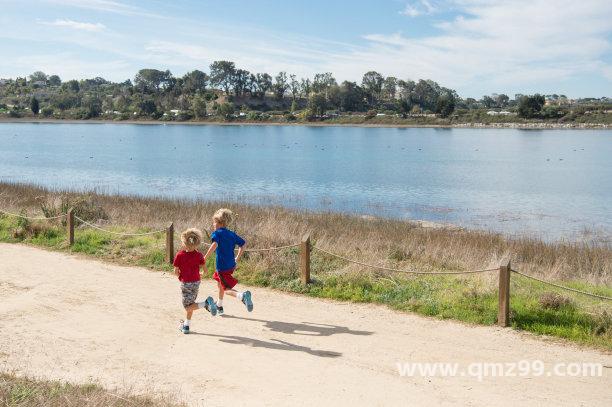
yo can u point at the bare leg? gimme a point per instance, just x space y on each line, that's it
232 292
221 290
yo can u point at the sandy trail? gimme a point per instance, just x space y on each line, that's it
70 318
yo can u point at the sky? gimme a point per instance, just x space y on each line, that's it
476 47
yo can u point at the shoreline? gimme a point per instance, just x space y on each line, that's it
513 125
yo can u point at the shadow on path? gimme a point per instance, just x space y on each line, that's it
305 328
274 344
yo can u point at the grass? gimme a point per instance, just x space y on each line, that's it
469 298
25 392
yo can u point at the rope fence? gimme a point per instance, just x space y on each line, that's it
603 297
63 215
305 249
91 225
401 271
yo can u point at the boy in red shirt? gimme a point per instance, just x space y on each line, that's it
187 265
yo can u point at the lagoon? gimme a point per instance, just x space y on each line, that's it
551 184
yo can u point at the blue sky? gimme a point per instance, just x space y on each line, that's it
474 46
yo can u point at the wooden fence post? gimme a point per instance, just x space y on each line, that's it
70 226
305 259
503 311
170 243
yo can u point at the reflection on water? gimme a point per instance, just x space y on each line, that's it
548 183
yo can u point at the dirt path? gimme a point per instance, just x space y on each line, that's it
81 320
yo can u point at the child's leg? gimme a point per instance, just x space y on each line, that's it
232 293
221 291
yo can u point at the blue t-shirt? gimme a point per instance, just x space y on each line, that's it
226 243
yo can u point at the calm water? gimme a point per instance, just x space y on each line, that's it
547 183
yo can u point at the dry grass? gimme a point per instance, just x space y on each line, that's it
379 241
26 392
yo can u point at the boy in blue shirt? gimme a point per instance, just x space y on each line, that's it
224 241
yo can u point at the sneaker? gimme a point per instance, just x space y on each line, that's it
210 306
246 300
219 310
184 328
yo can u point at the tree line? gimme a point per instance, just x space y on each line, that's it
226 89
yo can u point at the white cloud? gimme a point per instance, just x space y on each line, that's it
93 27
67 65
498 45
488 46
109 6
417 8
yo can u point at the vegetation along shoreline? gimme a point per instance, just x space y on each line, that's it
401 245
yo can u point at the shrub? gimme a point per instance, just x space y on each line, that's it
371 114
85 207
553 301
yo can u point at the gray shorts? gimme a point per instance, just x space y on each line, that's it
190 292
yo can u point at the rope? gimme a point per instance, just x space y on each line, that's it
272 248
263 249
118 233
32 218
402 271
603 297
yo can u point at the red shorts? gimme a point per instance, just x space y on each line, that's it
226 278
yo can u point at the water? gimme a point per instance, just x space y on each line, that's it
548 183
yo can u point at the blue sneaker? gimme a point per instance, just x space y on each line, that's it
184 328
246 300
210 306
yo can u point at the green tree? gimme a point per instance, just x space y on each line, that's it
389 88
226 110
372 83
72 86
195 81
222 75
322 82
317 103
34 105
305 87
406 90
198 105
403 107
280 85
445 104
530 106
351 97
294 87
426 93
55 80
38 76
147 107
152 80
242 82
502 100
262 82
488 101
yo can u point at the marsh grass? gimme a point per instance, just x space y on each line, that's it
391 243
18 391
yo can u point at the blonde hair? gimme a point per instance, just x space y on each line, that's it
224 216
191 238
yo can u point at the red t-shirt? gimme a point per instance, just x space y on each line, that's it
189 265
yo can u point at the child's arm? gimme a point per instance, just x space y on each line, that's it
177 272
240 251
211 249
